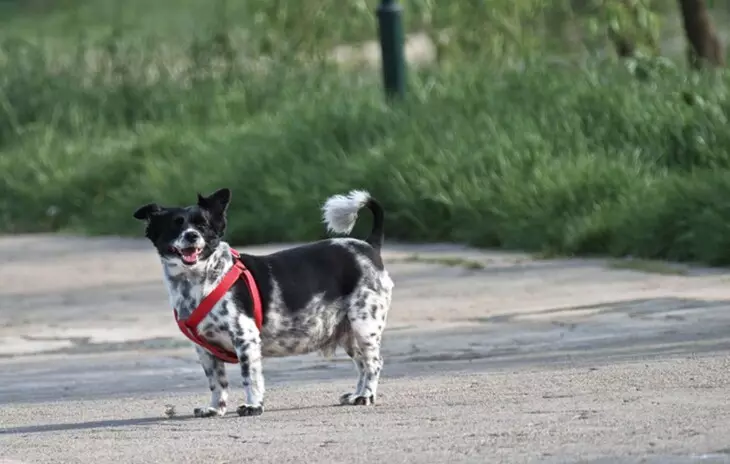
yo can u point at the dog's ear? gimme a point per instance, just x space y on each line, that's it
217 202
144 213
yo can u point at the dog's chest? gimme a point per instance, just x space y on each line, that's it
219 324
185 296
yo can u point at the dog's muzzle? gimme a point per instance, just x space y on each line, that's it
188 246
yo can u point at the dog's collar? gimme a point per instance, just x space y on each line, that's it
189 326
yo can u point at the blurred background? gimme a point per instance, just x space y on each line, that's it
563 127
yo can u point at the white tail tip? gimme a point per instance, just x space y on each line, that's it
339 212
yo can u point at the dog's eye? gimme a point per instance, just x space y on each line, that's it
198 220
179 221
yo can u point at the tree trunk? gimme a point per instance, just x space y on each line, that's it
705 48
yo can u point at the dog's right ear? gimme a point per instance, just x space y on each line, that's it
143 213
217 202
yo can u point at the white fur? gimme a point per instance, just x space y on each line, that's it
339 212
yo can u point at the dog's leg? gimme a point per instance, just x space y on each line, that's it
352 351
367 319
247 341
215 370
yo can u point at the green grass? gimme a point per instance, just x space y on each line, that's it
449 261
497 30
649 266
552 159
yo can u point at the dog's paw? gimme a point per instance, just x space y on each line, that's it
355 400
209 411
246 410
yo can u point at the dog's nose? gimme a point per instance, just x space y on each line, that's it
190 236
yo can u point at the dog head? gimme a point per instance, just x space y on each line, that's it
187 235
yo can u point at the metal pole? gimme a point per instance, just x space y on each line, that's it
390 22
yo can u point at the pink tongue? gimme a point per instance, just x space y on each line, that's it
189 255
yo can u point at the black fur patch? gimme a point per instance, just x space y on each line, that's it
320 267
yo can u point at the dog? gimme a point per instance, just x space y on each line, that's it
315 297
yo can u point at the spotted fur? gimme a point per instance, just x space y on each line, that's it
316 297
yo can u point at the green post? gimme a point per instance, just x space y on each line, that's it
390 24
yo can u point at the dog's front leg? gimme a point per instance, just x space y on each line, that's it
215 370
248 348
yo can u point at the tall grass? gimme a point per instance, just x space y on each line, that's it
494 146
498 31
561 159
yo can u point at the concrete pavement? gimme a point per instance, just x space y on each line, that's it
490 357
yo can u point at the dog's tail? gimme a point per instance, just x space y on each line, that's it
340 214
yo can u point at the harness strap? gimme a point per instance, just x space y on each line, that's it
253 289
189 326
223 355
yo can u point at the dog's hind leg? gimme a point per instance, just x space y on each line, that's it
350 347
367 316
215 371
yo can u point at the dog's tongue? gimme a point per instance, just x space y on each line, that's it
189 255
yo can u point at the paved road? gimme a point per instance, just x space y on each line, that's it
490 357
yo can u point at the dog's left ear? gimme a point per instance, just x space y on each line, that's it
143 213
217 202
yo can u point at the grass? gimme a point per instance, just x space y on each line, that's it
449 261
649 266
498 30
554 159
550 159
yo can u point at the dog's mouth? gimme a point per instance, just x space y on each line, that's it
188 255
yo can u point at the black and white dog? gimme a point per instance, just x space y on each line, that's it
320 296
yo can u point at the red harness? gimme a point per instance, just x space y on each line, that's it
189 326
